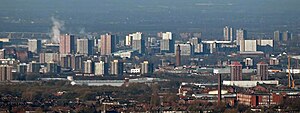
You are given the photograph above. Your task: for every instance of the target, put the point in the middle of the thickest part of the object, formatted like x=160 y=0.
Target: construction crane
x=291 y=80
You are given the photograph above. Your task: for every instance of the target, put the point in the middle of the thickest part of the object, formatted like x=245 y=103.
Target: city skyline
x=164 y=56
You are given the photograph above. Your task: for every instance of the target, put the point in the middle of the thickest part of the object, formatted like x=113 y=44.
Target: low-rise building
x=125 y=53
x=261 y=99
x=246 y=83
x=136 y=70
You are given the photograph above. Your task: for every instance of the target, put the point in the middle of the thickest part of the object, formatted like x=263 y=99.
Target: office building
x=101 y=68
x=2 y=53
x=34 y=67
x=195 y=40
x=53 y=67
x=167 y=35
x=213 y=47
x=151 y=41
x=232 y=34
x=167 y=43
x=274 y=61
x=138 y=42
x=65 y=61
x=97 y=41
x=236 y=71
x=228 y=33
x=97 y=46
x=241 y=35
x=88 y=67
x=47 y=57
x=178 y=55
x=67 y=44
x=185 y=49
x=201 y=48
x=76 y=62
x=198 y=48
x=107 y=44
x=85 y=46
x=165 y=46
x=6 y=73
x=286 y=36
x=22 y=68
x=248 y=61
x=262 y=70
x=128 y=40
x=116 y=68
x=265 y=42
x=248 y=46
x=277 y=36
x=34 y=45
x=54 y=48
x=146 y=67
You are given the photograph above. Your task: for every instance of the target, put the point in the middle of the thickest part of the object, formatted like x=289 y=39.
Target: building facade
x=241 y=35
x=277 y=36
x=146 y=67
x=228 y=33
x=248 y=61
x=77 y=62
x=5 y=73
x=34 y=67
x=236 y=71
x=49 y=56
x=178 y=55
x=138 y=42
x=34 y=45
x=65 y=60
x=85 y=46
x=116 y=68
x=286 y=36
x=2 y=53
x=167 y=43
x=262 y=70
x=88 y=67
x=67 y=44
x=185 y=49
x=53 y=67
x=107 y=44
x=101 y=68
x=248 y=46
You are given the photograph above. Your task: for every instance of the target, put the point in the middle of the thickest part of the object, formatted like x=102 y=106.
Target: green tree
x=242 y=108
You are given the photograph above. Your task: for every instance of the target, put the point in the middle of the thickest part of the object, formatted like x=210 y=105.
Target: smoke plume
x=56 y=27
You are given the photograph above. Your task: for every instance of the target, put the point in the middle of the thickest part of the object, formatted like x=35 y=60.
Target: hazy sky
x=208 y=16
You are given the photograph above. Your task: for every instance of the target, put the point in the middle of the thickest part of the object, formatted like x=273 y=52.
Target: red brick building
x=263 y=99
